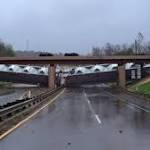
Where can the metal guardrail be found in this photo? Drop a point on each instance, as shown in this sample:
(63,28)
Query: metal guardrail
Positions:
(17,108)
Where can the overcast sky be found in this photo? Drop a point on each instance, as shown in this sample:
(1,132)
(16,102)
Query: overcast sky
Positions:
(72,25)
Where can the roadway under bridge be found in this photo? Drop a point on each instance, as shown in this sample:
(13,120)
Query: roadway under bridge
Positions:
(93,117)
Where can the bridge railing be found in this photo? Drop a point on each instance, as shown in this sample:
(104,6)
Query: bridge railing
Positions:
(14,110)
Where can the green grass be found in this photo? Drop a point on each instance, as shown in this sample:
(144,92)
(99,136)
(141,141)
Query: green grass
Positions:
(4,84)
(142,88)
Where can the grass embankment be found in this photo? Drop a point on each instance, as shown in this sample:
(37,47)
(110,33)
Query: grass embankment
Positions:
(5,88)
(141,88)
(3,84)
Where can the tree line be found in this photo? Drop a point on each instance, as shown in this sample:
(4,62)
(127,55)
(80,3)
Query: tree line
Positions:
(139,47)
(6,50)
(136,48)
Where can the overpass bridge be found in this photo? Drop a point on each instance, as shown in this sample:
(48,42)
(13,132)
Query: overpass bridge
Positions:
(76,60)
(54,60)
(88,117)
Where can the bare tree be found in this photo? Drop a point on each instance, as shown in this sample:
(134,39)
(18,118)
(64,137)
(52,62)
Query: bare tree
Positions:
(6,49)
(138,43)
(96,51)
(109,50)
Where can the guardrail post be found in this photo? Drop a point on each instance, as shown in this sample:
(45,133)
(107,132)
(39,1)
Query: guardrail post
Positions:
(51,76)
(121,75)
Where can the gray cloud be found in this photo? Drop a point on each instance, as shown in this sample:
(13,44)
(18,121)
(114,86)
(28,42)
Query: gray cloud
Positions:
(72,25)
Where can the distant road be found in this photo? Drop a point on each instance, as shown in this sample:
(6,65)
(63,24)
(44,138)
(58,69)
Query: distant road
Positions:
(86,118)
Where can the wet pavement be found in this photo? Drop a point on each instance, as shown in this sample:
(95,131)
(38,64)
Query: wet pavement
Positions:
(12,96)
(85,118)
(19,93)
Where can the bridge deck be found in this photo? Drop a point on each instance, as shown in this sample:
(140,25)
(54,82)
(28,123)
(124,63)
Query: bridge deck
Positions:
(75,59)
(87,118)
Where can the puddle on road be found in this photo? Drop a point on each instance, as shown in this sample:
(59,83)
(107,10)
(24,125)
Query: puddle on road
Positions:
(111,110)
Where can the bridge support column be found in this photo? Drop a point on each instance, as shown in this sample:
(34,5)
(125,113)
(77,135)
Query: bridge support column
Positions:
(140,71)
(121,75)
(51,76)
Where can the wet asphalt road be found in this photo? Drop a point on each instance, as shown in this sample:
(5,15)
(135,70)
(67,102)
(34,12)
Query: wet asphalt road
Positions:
(18,93)
(13,96)
(87,118)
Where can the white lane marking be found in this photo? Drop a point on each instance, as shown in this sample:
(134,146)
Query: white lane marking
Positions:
(29,117)
(91,109)
(128,103)
(137,107)
(131,107)
(98,119)
(89,104)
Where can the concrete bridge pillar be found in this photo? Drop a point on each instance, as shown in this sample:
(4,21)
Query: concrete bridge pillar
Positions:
(51,76)
(140,71)
(121,75)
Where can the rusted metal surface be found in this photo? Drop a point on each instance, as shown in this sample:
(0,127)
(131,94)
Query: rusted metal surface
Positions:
(75,59)
(101,77)
(13,77)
